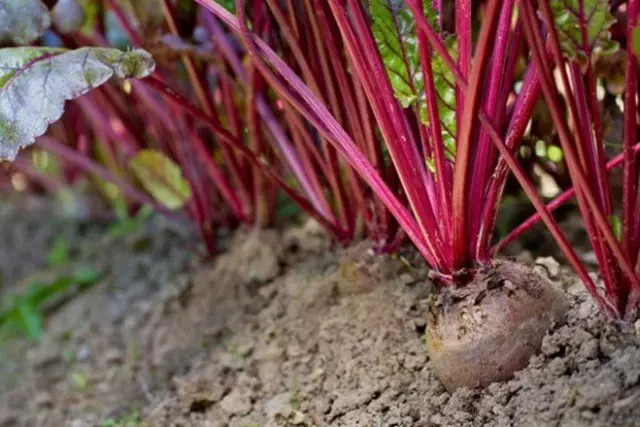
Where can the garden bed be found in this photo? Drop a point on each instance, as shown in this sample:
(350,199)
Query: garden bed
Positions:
(282,330)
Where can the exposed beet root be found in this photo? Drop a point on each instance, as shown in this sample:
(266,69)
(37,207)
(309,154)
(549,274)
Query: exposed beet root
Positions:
(487,330)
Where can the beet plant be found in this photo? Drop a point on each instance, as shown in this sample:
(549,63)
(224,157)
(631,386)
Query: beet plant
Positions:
(382,119)
(129,135)
(37,81)
(572,101)
(451,121)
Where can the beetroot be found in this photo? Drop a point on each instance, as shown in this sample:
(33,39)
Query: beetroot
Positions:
(489,329)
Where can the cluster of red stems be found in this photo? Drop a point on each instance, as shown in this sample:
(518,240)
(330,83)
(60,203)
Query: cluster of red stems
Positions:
(295,98)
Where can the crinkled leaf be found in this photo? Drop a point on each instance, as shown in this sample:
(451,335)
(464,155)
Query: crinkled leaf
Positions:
(36,82)
(395,31)
(68,16)
(22,21)
(598,18)
(161,177)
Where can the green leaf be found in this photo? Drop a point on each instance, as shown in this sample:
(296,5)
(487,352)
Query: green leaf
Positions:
(395,33)
(91,12)
(616,226)
(230,5)
(161,177)
(394,29)
(599,19)
(126,225)
(22,21)
(24,312)
(36,82)
(636,40)
(59,253)
(555,153)
(29,320)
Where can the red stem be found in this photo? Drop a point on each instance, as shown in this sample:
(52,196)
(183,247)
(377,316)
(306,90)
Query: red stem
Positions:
(557,202)
(484,162)
(630,221)
(257,162)
(322,119)
(589,205)
(462,166)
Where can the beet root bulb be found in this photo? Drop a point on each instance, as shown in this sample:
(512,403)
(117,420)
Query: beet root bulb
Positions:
(487,330)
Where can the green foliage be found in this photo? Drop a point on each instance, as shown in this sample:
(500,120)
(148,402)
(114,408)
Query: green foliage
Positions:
(555,153)
(616,226)
(294,398)
(230,5)
(23,313)
(58,255)
(127,225)
(23,21)
(550,152)
(636,41)
(91,11)
(599,19)
(36,82)
(161,177)
(395,32)
(132,419)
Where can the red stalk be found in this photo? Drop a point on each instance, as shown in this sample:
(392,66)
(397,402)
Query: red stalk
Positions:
(462,166)
(630,170)
(84,163)
(271,123)
(586,199)
(484,162)
(443,170)
(317,114)
(226,138)
(393,124)
(465,53)
(557,202)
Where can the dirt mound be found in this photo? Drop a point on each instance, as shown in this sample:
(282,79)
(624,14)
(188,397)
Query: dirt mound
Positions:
(278,332)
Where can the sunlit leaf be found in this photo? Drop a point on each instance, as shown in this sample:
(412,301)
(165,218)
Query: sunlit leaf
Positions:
(555,153)
(22,21)
(394,29)
(616,226)
(395,33)
(91,12)
(36,82)
(161,177)
(598,18)
(230,5)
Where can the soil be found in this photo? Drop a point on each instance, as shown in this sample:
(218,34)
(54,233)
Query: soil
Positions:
(282,330)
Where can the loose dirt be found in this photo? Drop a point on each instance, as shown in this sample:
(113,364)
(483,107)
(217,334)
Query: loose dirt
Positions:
(283,330)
